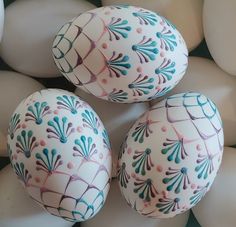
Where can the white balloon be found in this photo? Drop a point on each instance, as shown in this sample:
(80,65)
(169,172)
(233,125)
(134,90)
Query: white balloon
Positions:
(117,213)
(185,14)
(14,87)
(117,119)
(217,208)
(206,77)
(30,27)
(17,209)
(220,32)
(1,18)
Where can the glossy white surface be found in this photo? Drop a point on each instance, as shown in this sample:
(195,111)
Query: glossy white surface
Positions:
(218,207)
(117,119)
(14,87)
(206,77)
(185,14)
(30,27)
(219,27)
(17,209)
(117,213)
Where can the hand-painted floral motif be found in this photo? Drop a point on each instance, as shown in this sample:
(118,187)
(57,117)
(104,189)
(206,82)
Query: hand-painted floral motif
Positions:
(129,41)
(172,154)
(60,151)
(60,130)
(123,176)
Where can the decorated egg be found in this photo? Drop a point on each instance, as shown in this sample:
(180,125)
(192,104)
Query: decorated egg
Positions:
(10,98)
(171,155)
(117,119)
(61,154)
(121,53)
(218,207)
(185,14)
(17,209)
(116,213)
(204,76)
(30,27)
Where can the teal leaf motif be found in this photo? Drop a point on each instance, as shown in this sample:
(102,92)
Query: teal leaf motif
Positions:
(26,143)
(60,130)
(68,103)
(118,28)
(142,85)
(85,148)
(123,176)
(91,121)
(176,179)
(205,165)
(141,131)
(142,161)
(146,50)
(48,161)
(14,125)
(198,194)
(22,173)
(167,205)
(165,71)
(37,111)
(146,17)
(167,39)
(118,65)
(118,96)
(145,189)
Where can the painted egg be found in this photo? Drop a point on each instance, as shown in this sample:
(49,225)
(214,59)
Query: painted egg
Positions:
(29,30)
(204,76)
(185,14)
(171,155)
(10,98)
(116,213)
(218,207)
(117,118)
(17,209)
(61,154)
(220,33)
(121,53)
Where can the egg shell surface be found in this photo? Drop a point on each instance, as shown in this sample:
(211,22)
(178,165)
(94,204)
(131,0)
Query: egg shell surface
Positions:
(121,53)
(171,155)
(61,153)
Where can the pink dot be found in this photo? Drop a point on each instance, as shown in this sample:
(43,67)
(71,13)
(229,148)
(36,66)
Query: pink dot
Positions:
(162,54)
(129,151)
(104,81)
(104,46)
(23,125)
(70,165)
(101,156)
(159,168)
(163,129)
(15,156)
(56,112)
(139,69)
(139,30)
(42,143)
(193,186)
(133,175)
(162,23)
(37,179)
(79,129)
(199,148)
(165,194)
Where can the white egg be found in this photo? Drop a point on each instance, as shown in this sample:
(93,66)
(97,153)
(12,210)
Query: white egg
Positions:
(185,14)
(14,87)
(218,207)
(206,77)
(220,32)
(1,18)
(122,53)
(30,27)
(60,151)
(116,213)
(17,209)
(171,155)
(117,119)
